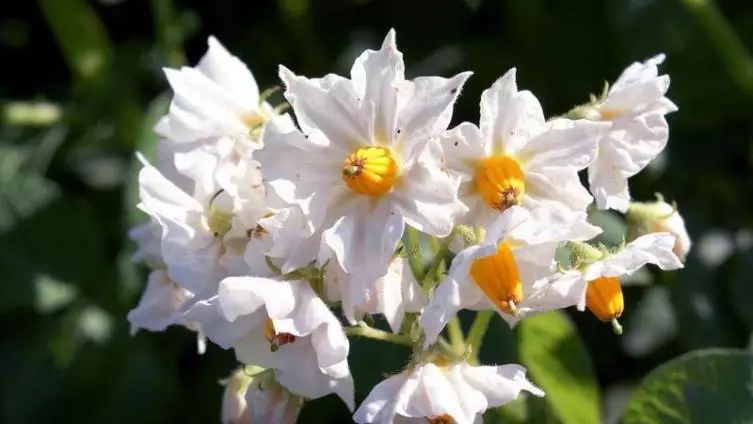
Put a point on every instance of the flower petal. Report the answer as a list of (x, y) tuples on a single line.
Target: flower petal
[(656, 248)]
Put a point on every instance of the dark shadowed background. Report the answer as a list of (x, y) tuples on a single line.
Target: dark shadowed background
[(81, 85)]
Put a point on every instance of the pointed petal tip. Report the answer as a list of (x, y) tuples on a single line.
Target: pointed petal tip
[(390, 40)]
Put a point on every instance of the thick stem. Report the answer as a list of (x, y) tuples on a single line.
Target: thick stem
[(477, 332), (363, 330)]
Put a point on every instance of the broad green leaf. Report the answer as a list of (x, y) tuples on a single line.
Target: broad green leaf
[(557, 361), (703, 386), (81, 37)]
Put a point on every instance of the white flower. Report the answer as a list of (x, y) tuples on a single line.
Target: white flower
[(516, 157), (159, 305), (635, 106), (392, 295), (660, 217), (599, 280), (191, 226), (457, 393), (362, 168), (217, 98), (282, 325), (500, 273)]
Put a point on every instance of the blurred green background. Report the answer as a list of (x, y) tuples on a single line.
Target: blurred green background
[(81, 86)]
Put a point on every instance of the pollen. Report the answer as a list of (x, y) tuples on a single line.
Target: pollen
[(604, 299), (497, 276), (500, 182), (275, 339), (370, 170), (442, 419)]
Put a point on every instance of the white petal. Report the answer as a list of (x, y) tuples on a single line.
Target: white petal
[(158, 306), (240, 296), (656, 248), (428, 110), (454, 293), (375, 76), (434, 397), (565, 144), (329, 105), (383, 393), (501, 384), (556, 185), (427, 198), (461, 147), (229, 72), (509, 118), (217, 328), (365, 238)]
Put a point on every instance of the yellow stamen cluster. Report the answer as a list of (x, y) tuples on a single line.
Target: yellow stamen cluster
[(497, 276), (500, 182), (604, 299), (370, 170)]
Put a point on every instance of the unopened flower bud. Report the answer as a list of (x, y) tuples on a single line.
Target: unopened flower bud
[(582, 254), (658, 217), (604, 299)]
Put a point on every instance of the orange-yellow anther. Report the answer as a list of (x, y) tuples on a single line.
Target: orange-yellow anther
[(370, 170), (276, 339), (604, 298), (497, 276), (442, 419), (500, 182)]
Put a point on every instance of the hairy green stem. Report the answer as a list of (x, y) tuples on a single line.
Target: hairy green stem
[(415, 256), (455, 332), (477, 332), (363, 330)]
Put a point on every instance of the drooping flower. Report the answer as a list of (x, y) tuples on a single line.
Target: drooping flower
[(516, 157), (659, 217), (501, 273), (443, 393), (392, 295), (282, 325), (595, 284), (362, 167), (635, 106)]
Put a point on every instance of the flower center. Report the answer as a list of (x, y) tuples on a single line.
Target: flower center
[(442, 419), (499, 180), (276, 340), (370, 170), (497, 276), (604, 299)]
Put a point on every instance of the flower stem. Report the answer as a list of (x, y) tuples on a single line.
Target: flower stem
[(477, 332), (363, 330), (415, 256), (440, 251), (455, 332)]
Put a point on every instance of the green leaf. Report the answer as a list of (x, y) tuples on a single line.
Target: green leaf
[(81, 37), (703, 386), (557, 361)]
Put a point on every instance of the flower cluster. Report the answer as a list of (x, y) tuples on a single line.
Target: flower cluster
[(279, 235)]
